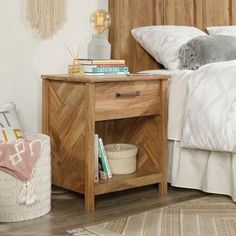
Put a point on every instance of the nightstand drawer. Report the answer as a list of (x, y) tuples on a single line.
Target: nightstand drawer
[(116, 100)]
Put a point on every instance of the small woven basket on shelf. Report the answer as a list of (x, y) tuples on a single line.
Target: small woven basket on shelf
[(122, 158), (10, 187)]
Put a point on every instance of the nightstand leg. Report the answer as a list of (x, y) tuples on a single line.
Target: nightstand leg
[(89, 147), (89, 203), (163, 121), (163, 188)]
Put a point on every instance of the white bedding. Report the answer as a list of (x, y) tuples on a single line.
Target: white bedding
[(213, 172), (210, 111), (177, 94)]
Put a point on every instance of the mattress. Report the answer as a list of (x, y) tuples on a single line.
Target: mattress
[(213, 172)]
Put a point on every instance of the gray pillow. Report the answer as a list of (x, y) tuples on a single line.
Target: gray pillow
[(207, 49)]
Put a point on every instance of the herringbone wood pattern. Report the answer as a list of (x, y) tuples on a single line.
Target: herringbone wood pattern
[(70, 108), (137, 131), (67, 130)]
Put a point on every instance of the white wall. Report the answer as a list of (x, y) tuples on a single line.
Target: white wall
[(24, 56)]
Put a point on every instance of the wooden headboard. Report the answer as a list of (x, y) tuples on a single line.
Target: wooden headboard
[(128, 14)]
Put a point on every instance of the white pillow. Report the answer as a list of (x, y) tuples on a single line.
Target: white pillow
[(225, 30), (10, 129), (163, 41)]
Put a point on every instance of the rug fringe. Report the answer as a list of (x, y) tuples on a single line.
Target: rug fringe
[(80, 232), (209, 215)]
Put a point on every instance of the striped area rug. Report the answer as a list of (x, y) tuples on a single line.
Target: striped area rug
[(207, 216)]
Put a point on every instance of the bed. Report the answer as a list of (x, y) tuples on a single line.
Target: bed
[(209, 171)]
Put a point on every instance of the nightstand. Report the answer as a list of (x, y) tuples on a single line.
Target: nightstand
[(120, 109)]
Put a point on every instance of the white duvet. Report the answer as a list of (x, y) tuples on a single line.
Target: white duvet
[(210, 111)]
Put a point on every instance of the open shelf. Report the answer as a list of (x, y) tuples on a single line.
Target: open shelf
[(121, 182), (138, 131)]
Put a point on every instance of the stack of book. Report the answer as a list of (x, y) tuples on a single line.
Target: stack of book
[(101, 165), (103, 67)]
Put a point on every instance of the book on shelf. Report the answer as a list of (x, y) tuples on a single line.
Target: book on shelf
[(103, 65), (101, 61), (105, 69), (106, 74), (96, 156), (102, 172), (104, 161)]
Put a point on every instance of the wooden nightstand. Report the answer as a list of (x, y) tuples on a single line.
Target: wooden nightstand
[(121, 109)]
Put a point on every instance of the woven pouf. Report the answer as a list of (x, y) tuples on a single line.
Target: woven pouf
[(10, 187)]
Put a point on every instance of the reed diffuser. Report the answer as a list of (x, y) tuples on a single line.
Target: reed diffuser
[(75, 69)]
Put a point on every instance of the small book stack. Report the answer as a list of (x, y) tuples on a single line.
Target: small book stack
[(103, 67), (101, 165)]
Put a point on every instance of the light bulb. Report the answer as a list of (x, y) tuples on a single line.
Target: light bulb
[(100, 20)]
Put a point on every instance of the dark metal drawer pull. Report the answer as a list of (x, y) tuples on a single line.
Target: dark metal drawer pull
[(128, 94)]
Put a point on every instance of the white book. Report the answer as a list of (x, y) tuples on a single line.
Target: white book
[(96, 175), (105, 159)]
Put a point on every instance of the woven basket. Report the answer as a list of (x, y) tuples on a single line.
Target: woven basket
[(122, 158), (10, 187)]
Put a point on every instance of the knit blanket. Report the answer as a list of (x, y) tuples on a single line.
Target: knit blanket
[(19, 158), (207, 49)]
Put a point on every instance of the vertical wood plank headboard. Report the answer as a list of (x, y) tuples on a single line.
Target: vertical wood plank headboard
[(128, 14)]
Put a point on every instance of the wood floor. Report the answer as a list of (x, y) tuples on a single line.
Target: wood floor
[(68, 209)]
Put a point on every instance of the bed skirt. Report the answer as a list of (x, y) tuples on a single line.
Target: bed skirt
[(212, 172)]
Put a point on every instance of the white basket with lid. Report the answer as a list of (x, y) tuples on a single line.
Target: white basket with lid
[(122, 158)]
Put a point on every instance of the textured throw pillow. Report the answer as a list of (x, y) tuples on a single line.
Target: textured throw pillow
[(207, 49), (10, 129), (223, 30), (163, 42)]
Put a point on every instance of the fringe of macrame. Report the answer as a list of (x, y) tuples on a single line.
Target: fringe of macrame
[(46, 16)]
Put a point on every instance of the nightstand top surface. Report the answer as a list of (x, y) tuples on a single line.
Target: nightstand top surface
[(104, 78)]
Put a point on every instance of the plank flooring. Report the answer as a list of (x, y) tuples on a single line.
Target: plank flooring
[(68, 209)]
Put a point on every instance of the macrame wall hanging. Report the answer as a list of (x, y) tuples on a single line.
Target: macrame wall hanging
[(46, 16)]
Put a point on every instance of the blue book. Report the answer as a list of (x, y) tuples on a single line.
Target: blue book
[(104, 160), (105, 69)]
